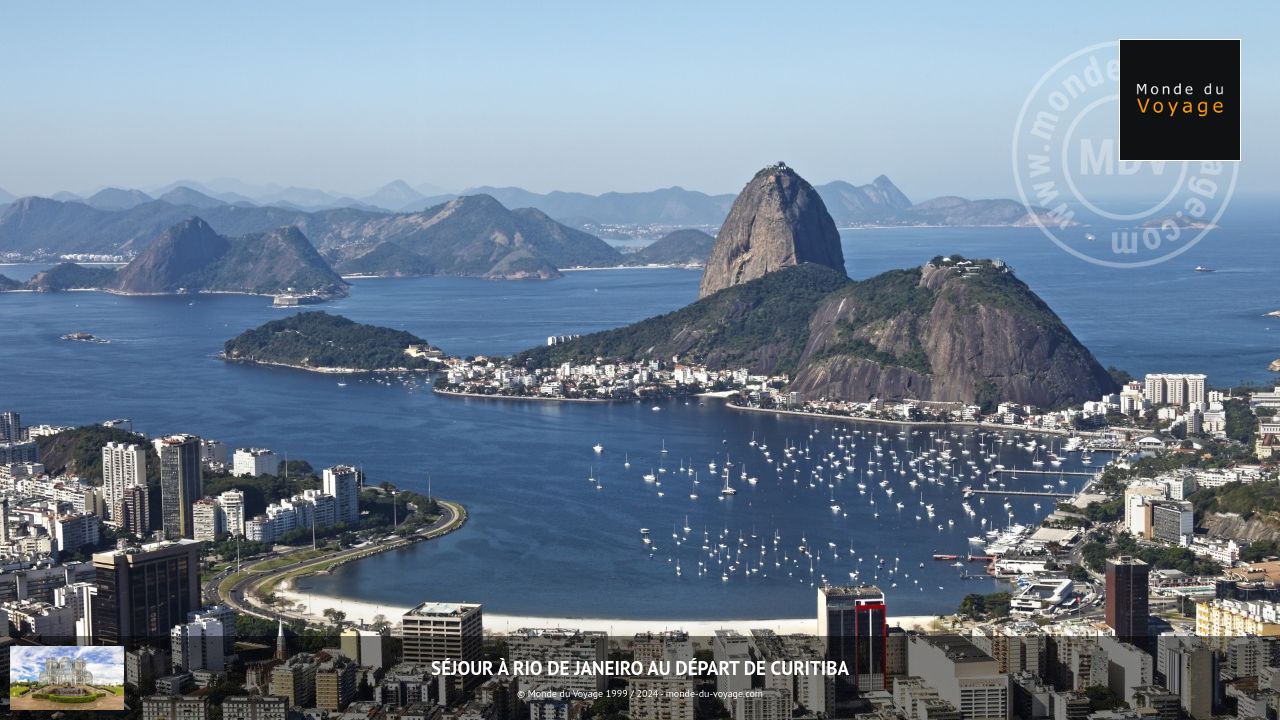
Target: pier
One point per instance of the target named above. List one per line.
(1055, 473)
(1026, 493)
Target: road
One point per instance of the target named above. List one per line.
(236, 594)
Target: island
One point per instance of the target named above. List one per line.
(85, 337)
(319, 342)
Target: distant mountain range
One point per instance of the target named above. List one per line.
(877, 203)
(470, 236)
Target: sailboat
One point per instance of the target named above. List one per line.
(727, 489)
(626, 461)
(598, 448)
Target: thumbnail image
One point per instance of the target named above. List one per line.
(66, 678)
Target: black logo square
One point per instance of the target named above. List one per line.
(1179, 99)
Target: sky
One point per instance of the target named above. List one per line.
(106, 663)
(589, 97)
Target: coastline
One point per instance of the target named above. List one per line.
(363, 611)
(539, 398)
(918, 423)
(322, 370)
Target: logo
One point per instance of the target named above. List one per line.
(1083, 196)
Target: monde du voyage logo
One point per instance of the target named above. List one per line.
(1124, 152)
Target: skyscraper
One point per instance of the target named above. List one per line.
(181, 483)
(124, 465)
(853, 622)
(144, 591)
(10, 426)
(1127, 588)
(340, 482)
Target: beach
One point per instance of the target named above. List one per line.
(314, 606)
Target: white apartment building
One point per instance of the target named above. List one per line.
(1179, 389)
(231, 502)
(124, 465)
(342, 482)
(252, 462)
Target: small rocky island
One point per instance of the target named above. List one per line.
(320, 342)
(85, 337)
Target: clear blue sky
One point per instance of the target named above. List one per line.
(571, 96)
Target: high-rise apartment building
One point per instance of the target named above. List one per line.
(181, 483)
(124, 465)
(144, 591)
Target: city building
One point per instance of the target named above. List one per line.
(175, 707)
(294, 680)
(143, 665)
(144, 591)
(661, 698)
(11, 426)
(181, 483)
(1173, 521)
(206, 520)
(1179, 389)
(732, 646)
(368, 647)
(561, 646)
(435, 631)
(853, 621)
(124, 465)
(199, 645)
(962, 674)
(335, 683)
(252, 462)
(231, 502)
(254, 707)
(768, 704)
(1127, 611)
(342, 482)
(135, 511)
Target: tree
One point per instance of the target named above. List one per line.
(335, 616)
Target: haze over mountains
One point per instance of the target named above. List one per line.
(72, 229)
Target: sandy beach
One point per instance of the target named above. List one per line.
(356, 610)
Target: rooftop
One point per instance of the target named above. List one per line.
(443, 609)
(956, 648)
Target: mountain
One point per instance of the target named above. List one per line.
(302, 198)
(778, 220)
(682, 247)
(396, 196)
(5, 197)
(954, 330)
(668, 206)
(847, 202)
(70, 276)
(185, 196)
(7, 284)
(191, 256)
(387, 259)
(882, 203)
(472, 235)
(117, 199)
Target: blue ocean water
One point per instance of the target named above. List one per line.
(542, 540)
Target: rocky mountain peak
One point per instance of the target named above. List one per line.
(777, 221)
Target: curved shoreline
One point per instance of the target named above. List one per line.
(321, 370)
(921, 423)
(239, 594)
(539, 398)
